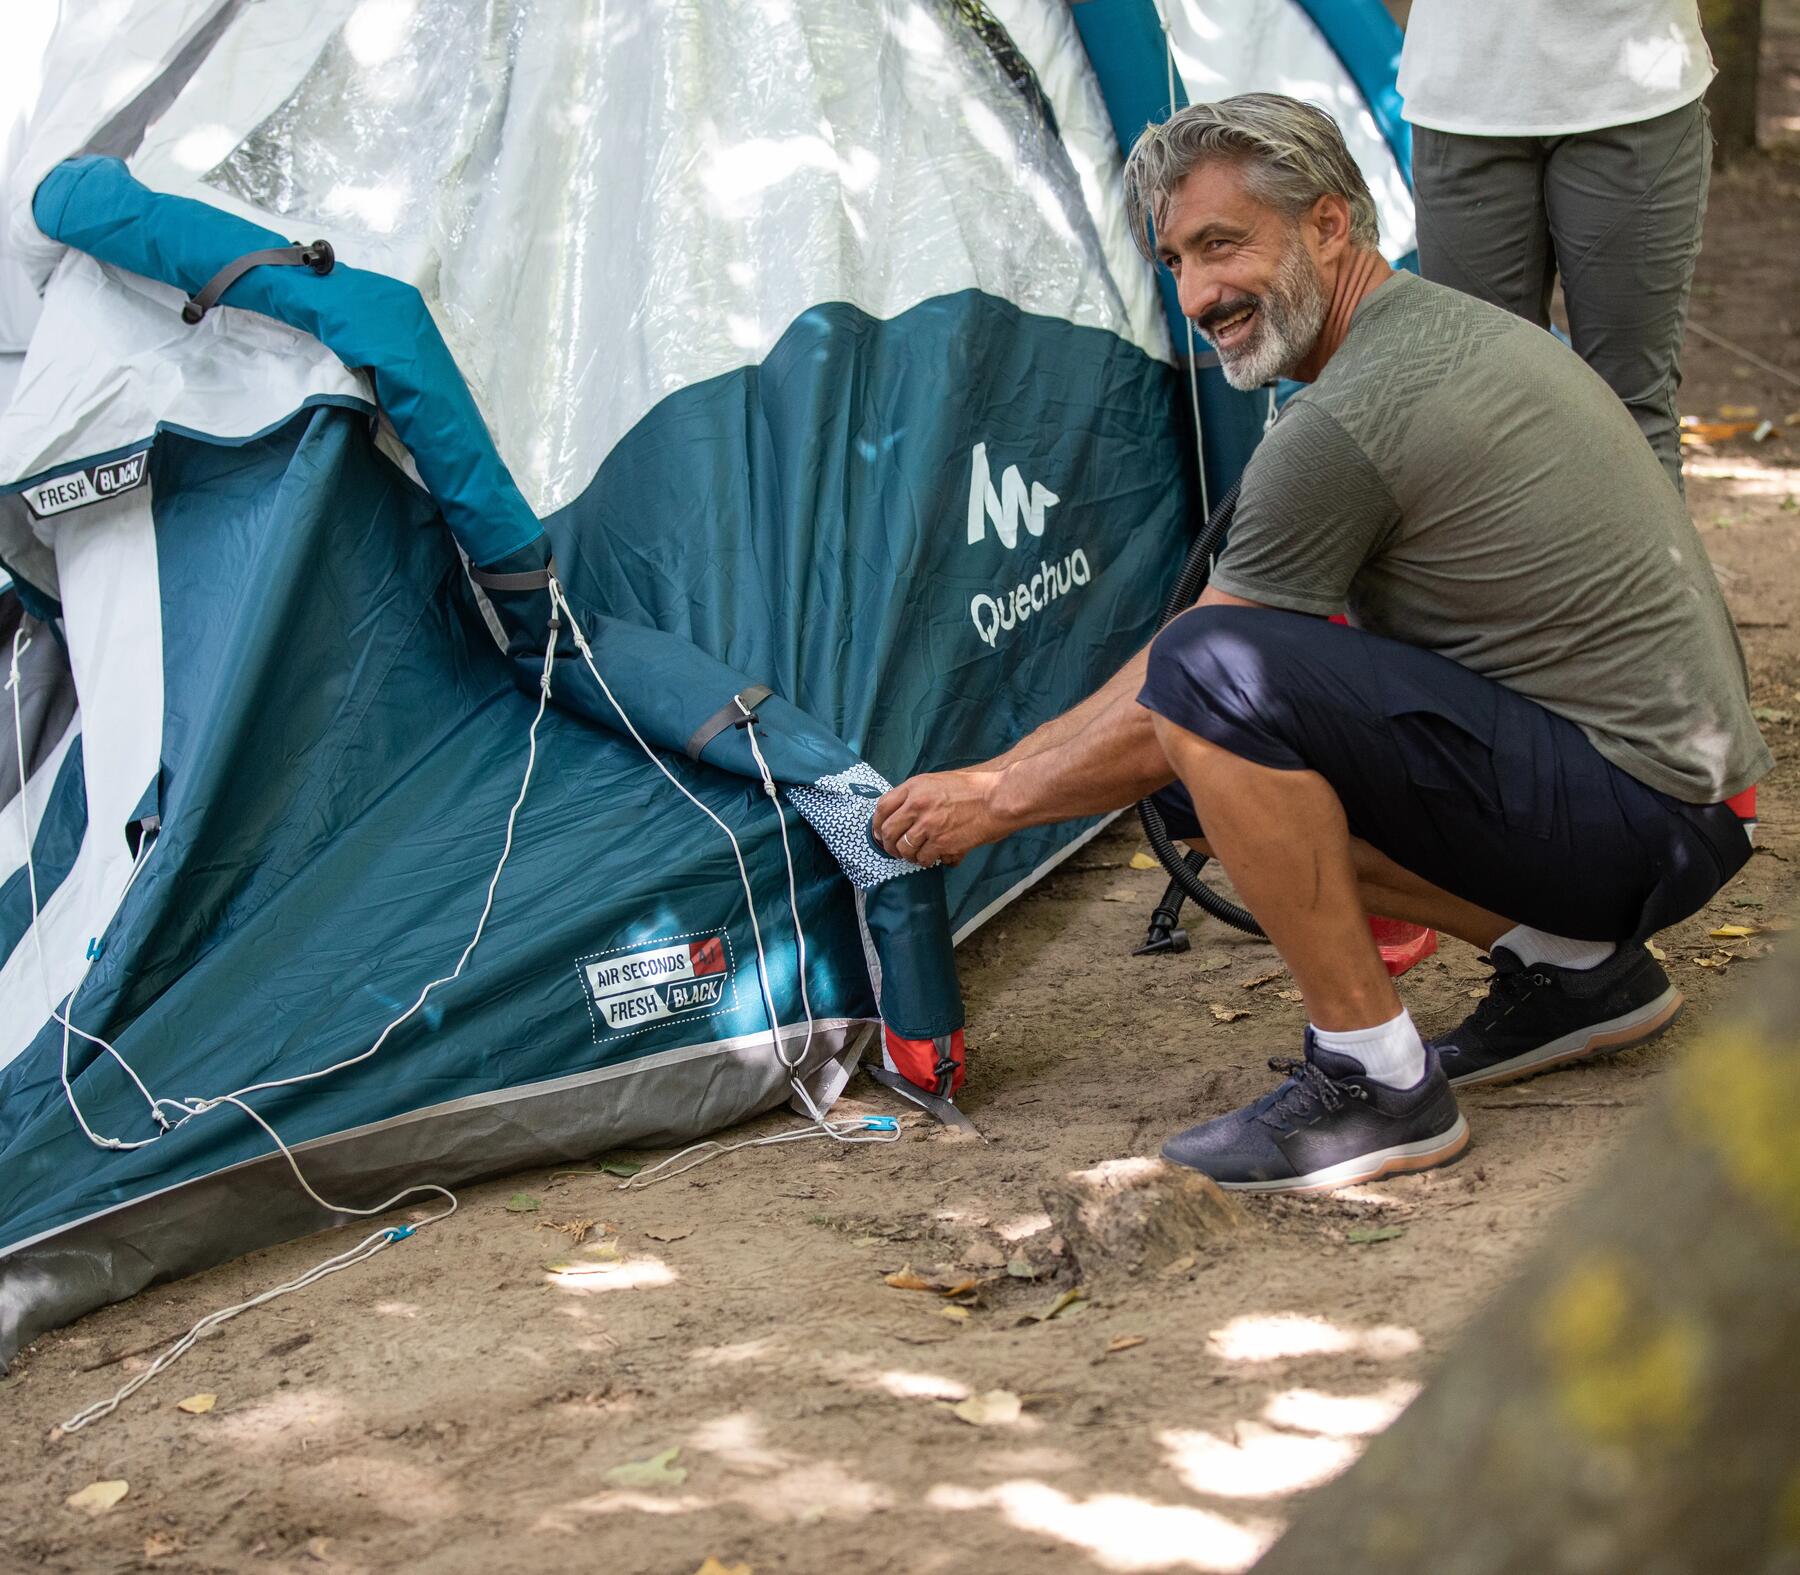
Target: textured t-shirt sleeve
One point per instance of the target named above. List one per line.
(1312, 511)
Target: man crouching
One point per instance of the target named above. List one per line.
(1526, 736)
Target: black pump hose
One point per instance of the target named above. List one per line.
(1184, 867)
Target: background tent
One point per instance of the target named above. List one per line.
(811, 339)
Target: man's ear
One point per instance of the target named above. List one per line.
(1330, 220)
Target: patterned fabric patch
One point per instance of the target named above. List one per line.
(839, 808)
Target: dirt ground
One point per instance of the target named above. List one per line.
(459, 1405)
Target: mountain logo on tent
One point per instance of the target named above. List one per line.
(82, 487)
(1008, 507)
(686, 975)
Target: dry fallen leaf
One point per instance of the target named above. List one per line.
(1226, 1014)
(1020, 1268)
(1289, 995)
(1125, 1342)
(1212, 962)
(1065, 1301)
(1732, 932)
(1656, 951)
(713, 1567)
(1144, 861)
(995, 1408)
(576, 1230)
(1263, 978)
(906, 1280)
(1180, 1266)
(953, 1311)
(160, 1545)
(98, 1497)
(1739, 412)
(522, 1203)
(197, 1405)
(1476, 995)
(1717, 960)
(671, 1233)
(1694, 431)
(658, 1471)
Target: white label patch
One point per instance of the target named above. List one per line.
(82, 487)
(637, 987)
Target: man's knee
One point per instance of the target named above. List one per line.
(1226, 675)
(1232, 656)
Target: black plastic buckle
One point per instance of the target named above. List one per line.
(318, 256)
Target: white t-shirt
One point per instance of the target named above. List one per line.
(1541, 68)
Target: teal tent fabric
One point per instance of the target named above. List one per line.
(342, 742)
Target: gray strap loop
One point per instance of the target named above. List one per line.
(733, 713)
(525, 580)
(318, 256)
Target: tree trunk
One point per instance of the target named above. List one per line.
(1734, 33)
(1632, 1401)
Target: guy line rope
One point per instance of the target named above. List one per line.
(863, 1130)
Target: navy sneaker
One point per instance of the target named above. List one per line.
(1542, 1016)
(1328, 1125)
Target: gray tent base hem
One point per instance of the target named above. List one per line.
(64, 1274)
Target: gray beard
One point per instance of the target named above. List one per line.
(1289, 318)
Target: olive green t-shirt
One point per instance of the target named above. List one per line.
(1461, 480)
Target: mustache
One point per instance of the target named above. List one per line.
(1211, 319)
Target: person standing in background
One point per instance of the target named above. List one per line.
(1552, 138)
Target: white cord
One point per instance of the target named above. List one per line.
(22, 643)
(191, 1108)
(1193, 361)
(879, 1129)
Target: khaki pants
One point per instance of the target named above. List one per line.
(1616, 212)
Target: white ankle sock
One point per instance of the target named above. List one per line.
(1390, 1053)
(1536, 946)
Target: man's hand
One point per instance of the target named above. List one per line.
(938, 817)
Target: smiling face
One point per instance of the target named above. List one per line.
(1248, 275)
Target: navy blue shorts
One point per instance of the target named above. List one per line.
(1453, 776)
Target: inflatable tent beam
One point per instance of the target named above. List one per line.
(669, 687)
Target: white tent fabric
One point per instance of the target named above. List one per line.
(593, 220)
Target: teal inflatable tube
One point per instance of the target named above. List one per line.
(666, 685)
(367, 320)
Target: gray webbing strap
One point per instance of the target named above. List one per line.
(731, 714)
(318, 257)
(935, 1104)
(525, 580)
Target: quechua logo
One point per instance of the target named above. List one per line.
(1012, 505)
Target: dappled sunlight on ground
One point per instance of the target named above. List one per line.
(282, 1417)
(1256, 1461)
(1119, 1530)
(918, 1386)
(1274, 1337)
(397, 1488)
(1377, 1196)
(1339, 1416)
(633, 1274)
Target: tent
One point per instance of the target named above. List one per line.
(698, 419)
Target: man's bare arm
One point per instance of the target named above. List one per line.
(1100, 755)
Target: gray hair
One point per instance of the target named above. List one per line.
(1291, 154)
